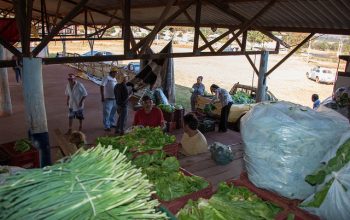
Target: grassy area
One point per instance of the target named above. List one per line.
(182, 96)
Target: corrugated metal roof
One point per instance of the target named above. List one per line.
(322, 16)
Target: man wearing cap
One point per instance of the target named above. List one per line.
(76, 94)
(108, 100)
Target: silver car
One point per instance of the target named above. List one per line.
(321, 75)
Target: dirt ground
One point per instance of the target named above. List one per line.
(288, 82)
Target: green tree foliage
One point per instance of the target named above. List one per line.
(257, 37)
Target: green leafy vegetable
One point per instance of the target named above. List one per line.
(96, 184)
(166, 108)
(241, 97)
(22, 145)
(208, 108)
(341, 158)
(319, 196)
(139, 140)
(229, 203)
(169, 182)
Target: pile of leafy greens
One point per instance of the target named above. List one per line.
(229, 203)
(341, 158)
(139, 140)
(241, 97)
(169, 182)
(208, 108)
(167, 107)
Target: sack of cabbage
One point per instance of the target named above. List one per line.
(332, 197)
(284, 142)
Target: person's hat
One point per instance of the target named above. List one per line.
(114, 69)
(71, 76)
(120, 77)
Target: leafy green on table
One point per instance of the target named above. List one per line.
(22, 145)
(139, 140)
(99, 183)
(229, 202)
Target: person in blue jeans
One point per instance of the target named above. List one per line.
(108, 100)
(122, 94)
(17, 69)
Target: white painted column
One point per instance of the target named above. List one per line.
(34, 102)
(5, 97)
(261, 93)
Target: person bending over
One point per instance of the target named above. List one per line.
(193, 141)
(226, 101)
(149, 115)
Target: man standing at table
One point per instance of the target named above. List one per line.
(108, 100)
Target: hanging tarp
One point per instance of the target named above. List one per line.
(158, 73)
(8, 30)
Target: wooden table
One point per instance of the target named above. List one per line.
(202, 164)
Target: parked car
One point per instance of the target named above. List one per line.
(101, 53)
(321, 75)
(134, 67)
(97, 53)
(237, 110)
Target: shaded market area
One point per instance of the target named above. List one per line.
(238, 154)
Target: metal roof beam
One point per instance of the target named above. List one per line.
(74, 12)
(167, 21)
(245, 25)
(156, 29)
(215, 40)
(227, 10)
(290, 54)
(200, 32)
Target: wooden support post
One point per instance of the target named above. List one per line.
(33, 94)
(126, 27)
(85, 24)
(196, 26)
(5, 97)
(261, 93)
(74, 12)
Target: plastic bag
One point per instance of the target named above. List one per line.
(337, 201)
(284, 142)
(160, 97)
(220, 153)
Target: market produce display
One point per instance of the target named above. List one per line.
(164, 173)
(167, 107)
(22, 145)
(236, 203)
(332, 198)
(99, 183)
(208, 108)
(284, 142)
(241, 97)
(139, 140)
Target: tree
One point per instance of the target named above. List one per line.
(257, 37)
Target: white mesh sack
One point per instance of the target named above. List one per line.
(284, 142)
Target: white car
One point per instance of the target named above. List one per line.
(321, 75)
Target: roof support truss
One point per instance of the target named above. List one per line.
(58, 27)
(290, 53)
(226, 9)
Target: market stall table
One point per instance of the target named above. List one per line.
(202, 164)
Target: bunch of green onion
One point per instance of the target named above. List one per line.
(99, 183)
